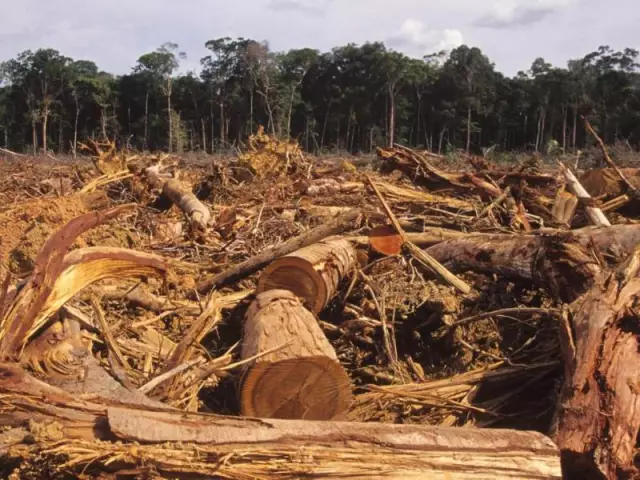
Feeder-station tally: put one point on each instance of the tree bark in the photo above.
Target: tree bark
(334, 226)
(599, 410)
(103, 434)
(564, 207)
(565, 110)
(313, 273)
(297, 374)
(575, 125)
(565, 267)
(204, 135)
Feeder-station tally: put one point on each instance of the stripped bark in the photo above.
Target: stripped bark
(297, 374)
(555, 261)
(599, 411)
(178, 443)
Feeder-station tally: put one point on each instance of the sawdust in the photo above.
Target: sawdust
(26, 226)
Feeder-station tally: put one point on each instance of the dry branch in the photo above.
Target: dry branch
(332, 227)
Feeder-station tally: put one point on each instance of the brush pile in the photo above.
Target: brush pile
(161, 319)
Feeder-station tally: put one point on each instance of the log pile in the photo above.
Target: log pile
(314, 320)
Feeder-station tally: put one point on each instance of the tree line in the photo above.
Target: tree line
(353, 98)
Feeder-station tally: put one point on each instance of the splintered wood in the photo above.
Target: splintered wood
(409, 316)
(296, 373)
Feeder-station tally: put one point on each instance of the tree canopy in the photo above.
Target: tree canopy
(353, 98)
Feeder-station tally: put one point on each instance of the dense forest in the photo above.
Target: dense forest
(352, 98)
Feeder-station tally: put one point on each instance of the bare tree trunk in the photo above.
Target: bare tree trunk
(392, 116)
(60, 136)
(204, 135)
(442, 132)
(170, 121)
(565, 110)
(526, 127)
(45, 119)
(222, 138)
(468, 128)
(418, 115)
(103, 120)
(251, 110)
(575, 124)
(293, 92)
(324, 126)
(146, 121)
(34, 137)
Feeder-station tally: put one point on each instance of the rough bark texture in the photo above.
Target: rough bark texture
(209, 445)
(313, 273)
(599, 412)
(554, 261)
(297, 375)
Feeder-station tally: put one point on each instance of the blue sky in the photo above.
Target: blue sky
(114, 33)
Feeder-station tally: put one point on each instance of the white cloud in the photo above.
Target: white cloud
(506, 13)
(414, 38)
(309, 6)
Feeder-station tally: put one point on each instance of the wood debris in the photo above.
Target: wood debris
(313, 319)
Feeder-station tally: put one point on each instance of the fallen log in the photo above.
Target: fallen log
(313, 273)
(599, 409)
(334, 226)
(296, 373)
(594, 213)
(109, 436)
(199, 214)
(555, 261)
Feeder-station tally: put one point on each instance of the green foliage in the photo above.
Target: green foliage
(354, 98)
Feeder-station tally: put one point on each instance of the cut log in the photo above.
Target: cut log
(199, 214)
(297, 374)
(385, 240)
(112, 436)
(332, 227)
(599, 411)
(562, 265)
(564, 207)
(594, 213)
(313, 273)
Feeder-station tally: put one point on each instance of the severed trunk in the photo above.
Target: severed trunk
(599, 410)
(113, 436)
(313, 273)
(297, 374)
(563, 266)
(181, 195)
(564, 207)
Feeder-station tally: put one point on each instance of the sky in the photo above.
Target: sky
(512, 33)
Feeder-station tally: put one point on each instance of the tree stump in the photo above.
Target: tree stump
(312, 273)
(299, 376)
